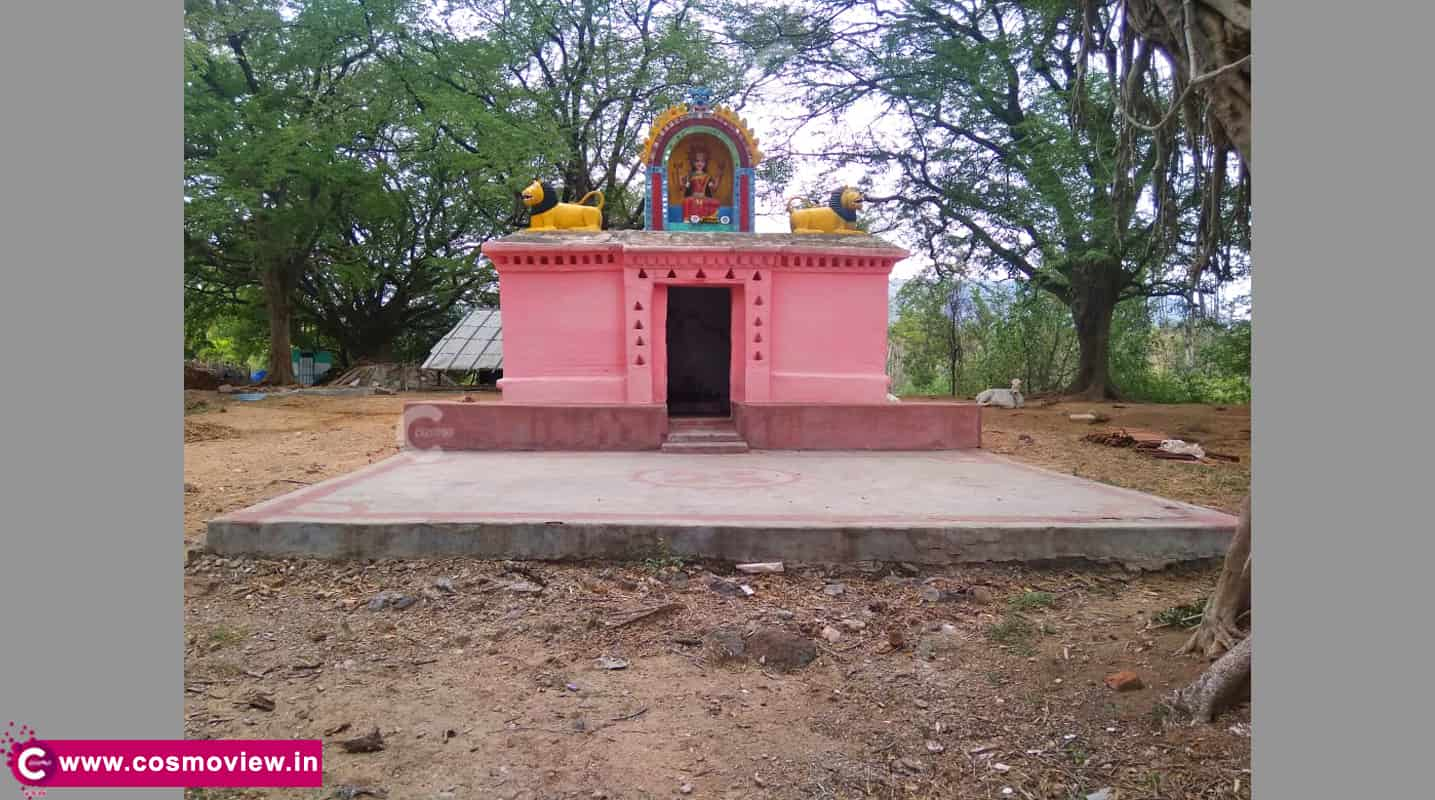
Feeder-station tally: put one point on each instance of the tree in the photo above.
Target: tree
(1220, 627)
(587, 77)
(1219, 636)
(929, 331)
(1207, 47)
(1002, 126)
(273, 93)
(404, 261)
(346, 158)
(401, 262)
(1208, 44)
(961, 336)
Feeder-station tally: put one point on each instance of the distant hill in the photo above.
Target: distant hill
(893, 286)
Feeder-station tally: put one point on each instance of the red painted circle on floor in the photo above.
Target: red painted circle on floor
(716, 478)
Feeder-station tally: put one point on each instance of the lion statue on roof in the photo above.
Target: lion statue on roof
(838, 216)
(547, 214)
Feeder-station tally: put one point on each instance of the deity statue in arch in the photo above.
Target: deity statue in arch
(699, 187)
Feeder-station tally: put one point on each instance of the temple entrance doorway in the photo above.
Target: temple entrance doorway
(699, 345)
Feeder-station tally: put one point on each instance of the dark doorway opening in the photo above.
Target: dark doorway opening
(699, 340)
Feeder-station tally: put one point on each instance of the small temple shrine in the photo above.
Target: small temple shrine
(697, 333)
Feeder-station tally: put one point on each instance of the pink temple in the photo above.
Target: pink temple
(608, 335)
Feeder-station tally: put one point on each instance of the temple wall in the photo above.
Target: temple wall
(585, 315)
(563, 336)
(829, 337)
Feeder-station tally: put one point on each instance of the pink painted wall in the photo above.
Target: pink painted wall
(860, 426)
(737, 356)
(451, 425)
(563, 337)
(585, 322)
(829, 337)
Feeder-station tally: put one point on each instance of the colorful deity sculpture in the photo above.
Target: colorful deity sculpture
(700, 202)
(701, 163)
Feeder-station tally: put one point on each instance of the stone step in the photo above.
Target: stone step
(704, 436)
(714, 448)
(682, 423)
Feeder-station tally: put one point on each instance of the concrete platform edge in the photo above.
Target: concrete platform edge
(1138, 545)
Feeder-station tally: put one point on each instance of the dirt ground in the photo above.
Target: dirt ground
(484, 679)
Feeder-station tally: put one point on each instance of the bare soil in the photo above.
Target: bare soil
(482, 690)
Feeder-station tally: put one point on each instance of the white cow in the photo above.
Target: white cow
(1006, 398)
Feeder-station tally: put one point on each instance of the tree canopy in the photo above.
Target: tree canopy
(1009, 131)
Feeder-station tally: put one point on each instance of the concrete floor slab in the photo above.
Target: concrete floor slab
(921, 507)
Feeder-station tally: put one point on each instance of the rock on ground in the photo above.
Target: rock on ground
(769, 647)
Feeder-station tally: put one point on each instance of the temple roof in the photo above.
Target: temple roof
(680, 240)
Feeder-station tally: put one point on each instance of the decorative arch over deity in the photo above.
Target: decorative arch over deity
(700, 163)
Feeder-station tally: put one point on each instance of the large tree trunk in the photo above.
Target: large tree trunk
(1217, 35)
(1220, 624)
(1223, 684)
(278, 284)
(1220, 34)
(1093, 303)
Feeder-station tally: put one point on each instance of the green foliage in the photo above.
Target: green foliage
(661, 558)
(1002, 134)
(1229, 352)
(1014, 631)
(1029, 601)
(577, 82)
(1019, 332)
(999, 333)
(236, 332)
(355, 156)
(1151, 364)
(282, 102)
(223, 635)
(1183, 616)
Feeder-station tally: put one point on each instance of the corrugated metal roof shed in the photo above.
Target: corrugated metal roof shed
(475, 343)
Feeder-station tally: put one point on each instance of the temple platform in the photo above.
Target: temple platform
(452, 425)
(937, 507)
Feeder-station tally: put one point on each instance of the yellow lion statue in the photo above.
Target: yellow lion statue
(547, 214)
(838, 216)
